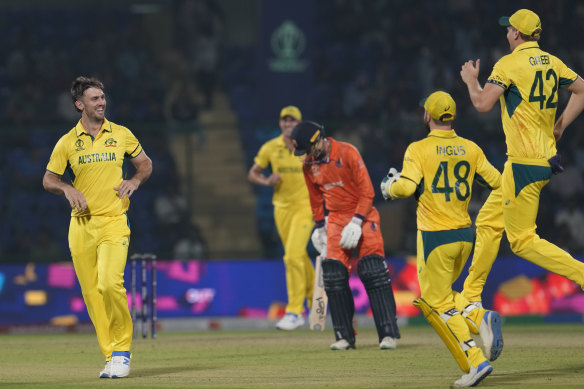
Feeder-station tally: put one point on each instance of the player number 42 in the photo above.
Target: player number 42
(461, 176)
(537, 96)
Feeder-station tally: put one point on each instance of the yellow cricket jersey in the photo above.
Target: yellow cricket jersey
(291, 190)
(531, 79)
(96, 165)
(443, 167)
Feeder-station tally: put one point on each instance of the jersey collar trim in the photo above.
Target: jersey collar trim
(527, 45)
(443, 133)
(79, 130)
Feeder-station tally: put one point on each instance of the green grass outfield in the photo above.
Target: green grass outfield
(535, 356)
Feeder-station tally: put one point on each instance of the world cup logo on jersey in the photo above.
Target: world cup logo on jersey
(79, 145)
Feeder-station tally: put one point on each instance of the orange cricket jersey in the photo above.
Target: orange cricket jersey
(342, 181)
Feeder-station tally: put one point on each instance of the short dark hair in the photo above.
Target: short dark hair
(80, 85)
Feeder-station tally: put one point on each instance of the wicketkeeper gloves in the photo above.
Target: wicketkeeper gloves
(392, 176)
(351, 233)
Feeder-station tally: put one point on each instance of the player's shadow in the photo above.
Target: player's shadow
(163, 371)
(537, 377)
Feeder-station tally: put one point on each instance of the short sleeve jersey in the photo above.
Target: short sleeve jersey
(444, 166)
(291, 190)
(531, 79)
(96, 166)
(342, 181)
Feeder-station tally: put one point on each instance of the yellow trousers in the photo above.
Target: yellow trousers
(513, 208)
(441, 256)
(99, 247)
(295, 225)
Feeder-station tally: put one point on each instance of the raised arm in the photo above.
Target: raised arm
(483, 99)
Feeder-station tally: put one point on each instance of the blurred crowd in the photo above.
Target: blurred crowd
(372, 63)
(153, 90)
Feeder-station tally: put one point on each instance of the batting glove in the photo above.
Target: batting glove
(392, 176)
(351, 233)
(319, 240)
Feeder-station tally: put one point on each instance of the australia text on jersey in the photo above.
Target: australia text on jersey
(96, 157)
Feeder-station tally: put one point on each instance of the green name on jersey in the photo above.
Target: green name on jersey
(450, 150)
(96, 157)
(539, 60)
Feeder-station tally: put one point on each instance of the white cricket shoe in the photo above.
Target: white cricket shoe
(491, 335)
(290, 322)
(107, 370)
(342, 345)
(474, 376)
(388, 343)
(120, 366)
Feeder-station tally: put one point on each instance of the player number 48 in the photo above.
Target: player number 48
(459, 173)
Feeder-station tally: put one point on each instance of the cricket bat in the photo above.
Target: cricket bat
(319, 299)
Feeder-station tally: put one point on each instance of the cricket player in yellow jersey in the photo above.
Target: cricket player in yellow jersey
(93, 153)
(527, 83)
(440, 170)
(292, 214)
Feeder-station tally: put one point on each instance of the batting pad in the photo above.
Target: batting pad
(374, 274)
(440, 325)
(341, 303)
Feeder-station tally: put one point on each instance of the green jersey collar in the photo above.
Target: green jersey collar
(80, 130)
(527, 45)
(443, 133)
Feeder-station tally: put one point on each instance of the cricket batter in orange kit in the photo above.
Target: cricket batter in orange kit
(93, 154)
(335, 172)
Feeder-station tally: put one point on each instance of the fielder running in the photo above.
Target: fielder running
(93, 153)
(440, 170)
(335, 172)
(292, 214)
(526, 82)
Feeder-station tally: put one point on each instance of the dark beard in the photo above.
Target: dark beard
(318, 157)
